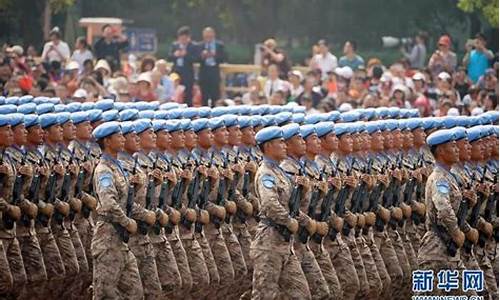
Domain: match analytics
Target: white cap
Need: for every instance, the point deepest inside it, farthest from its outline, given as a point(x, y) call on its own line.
point(298, 74)
point(477, 111)
point(146, 76)
point(18, 50)
point(345, 107)
point(80, 93)
point(418, 76)
point(345, 72)
point(453, 112)
point(444, 76)
point(72, 65)
point(102, 64)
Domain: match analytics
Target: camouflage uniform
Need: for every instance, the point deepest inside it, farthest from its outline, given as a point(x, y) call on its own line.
point(277, 270)
point(116, 274)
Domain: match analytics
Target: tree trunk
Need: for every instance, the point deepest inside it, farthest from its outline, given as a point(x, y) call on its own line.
point(46, 21)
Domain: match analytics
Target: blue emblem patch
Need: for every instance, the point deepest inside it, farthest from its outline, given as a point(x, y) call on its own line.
point(106, 180)
point(268, 181)
point(443, 187)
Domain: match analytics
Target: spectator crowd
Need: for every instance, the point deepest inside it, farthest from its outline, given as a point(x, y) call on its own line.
point(438, 83)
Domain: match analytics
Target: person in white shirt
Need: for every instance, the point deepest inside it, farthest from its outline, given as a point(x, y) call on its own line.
point(82, 52)
point(55, 49)
point(273, 82)
point(324, 60)
point(295, 77)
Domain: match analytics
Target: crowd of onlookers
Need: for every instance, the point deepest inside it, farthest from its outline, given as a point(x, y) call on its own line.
point(437, 83)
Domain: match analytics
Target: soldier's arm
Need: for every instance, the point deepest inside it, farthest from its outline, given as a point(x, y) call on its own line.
point(268, 192)
point(107, 196)
point(440, 193)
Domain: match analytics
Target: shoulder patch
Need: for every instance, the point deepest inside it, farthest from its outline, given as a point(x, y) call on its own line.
point(443, 187)
point(268, 181)
point(106, 180)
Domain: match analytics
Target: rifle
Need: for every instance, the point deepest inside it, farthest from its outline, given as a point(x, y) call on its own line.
point(51, 187)
point(245, 190)
point(386, 200)
point(203, 197)
point(474, 217)
point(150, 192)
point(326, 211)
point(220, 196)
point(162, 199)
point(419, 194)
point(311, 209)
point(340, 202)
point(361, 194)
point(396, 199)
point(122, 231)
point(65, 191)
point(232, 188)
point(192, 194)
point(177, 195)
point(8, 221)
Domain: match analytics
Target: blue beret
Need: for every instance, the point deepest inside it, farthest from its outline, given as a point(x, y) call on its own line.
point(199, 124)
point(41, 99)
point(440, 137)
point(428, 123)
point(372, 126)
point(299, 109)
point(402, 124)
point(127, 127)
point(350, 116)
point(230, 120)
point(154, 105)
point(298, 118)
point(462, 121)
point(216, 123)
point(27, 108)
point(484, 119)
point(63, 117)
point(87, 106)
point(492, 115)
point(307, 130)
point(448, 122)
point(2, 100)
point(168, 106)
point(359, 127)
point(186, 124)
point(315, 118)
point(4, 120)
point(414, 113)
point(393, 112)
point(31, 120)
point(190, 113)
point(496, 130)
point(129, 114)
point(15, 119)
point(404, 113)
point(8, 109)
point(172, 125)
point(219, 111)
point(110, 115)
point(11, 100)
point(106, 129)
point(391, 124)
point(290, 130)
point(264, 109)
point(204, 112)
point(55, 100)
point(324, 128)
point(175, 113)
point(95, 115)
point(283, 118)
point(341, 129)
point(58, 108)
point(382, 112)
point(267, 134)
point(274, 109)
point(255, 110)
point(158, 125)
point(142, 125)
point(80, 117)
point(25, 99)
point(161, 114)
point(475, 133)
point(146, 114)
point(47, 120)
point(44, 108)
point(459, 132)
point(73, 107)
point(488, 130)
point(370, 113)
point(268, 120)
point(245, 121)
point(333, 116)
point(119, 106)
point(257, 120)
point(414, 123)
point(288, 107)
point(245, 110)
point(105, 104)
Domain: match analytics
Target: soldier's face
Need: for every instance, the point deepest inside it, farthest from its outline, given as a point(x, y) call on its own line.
point(376, 141)
point(178, 140)
point(35, 135)
point(464, 149)
point(6, 136)
point(234, 135)
point(397, 139)
point(387, 139)
point(476, 150)
point(83, 131)
point(117, 142)
point(296, 146)
point(329, 142)
point(148, 139)
point(418, 137)
point(205, 138)
point(221, 136)
point(20, 134)
point(54, 133)
point(248, 136)
point(162, 139)
point(452, 152)
point(495, 147)
point(345, 144)
point(313, 144)
point(276, 149)
point(367, 140)
point(69, 130)
point(190, 139)
point(131, 143)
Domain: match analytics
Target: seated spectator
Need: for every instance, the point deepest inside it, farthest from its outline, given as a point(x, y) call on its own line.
point(144, 88)
point(309, 104)
point(165, 81)
point(295, 78)
point(70, 78)
point(350, 58)
point(277, 98)
point(273, 82)
point(55, 50)
point(309, 93)
point(82, 52)
point(324, 60)
point(178, 88)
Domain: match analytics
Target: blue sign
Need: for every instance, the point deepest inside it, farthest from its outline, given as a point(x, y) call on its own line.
point(142, 40)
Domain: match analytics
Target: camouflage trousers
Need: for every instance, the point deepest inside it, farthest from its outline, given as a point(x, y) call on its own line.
point(437, 266)
point(277, 274)
point(489, 276)
point(146, 262)
point(399, 247)
point(372, 276)
point(315, 279)
point(168, 272)
point(391, 262)
point(209, 259)
point(199, 270)
point(52, 260)
point(344, 266)
point(364, 288)
point(183, 266)
point(323, 258)
point(6, 281)
point(223, 261)
point(116, 275)
point(385, 279)
point(33, 264)
point(243, 284)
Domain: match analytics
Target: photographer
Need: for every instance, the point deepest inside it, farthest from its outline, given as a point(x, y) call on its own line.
point(108, 47)
point(418, 52)
point(55, 50)
point(443, 60)
point(273, 55)
point(477, 59)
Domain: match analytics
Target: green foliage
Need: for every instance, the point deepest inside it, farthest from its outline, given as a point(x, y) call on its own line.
point(488, 8)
